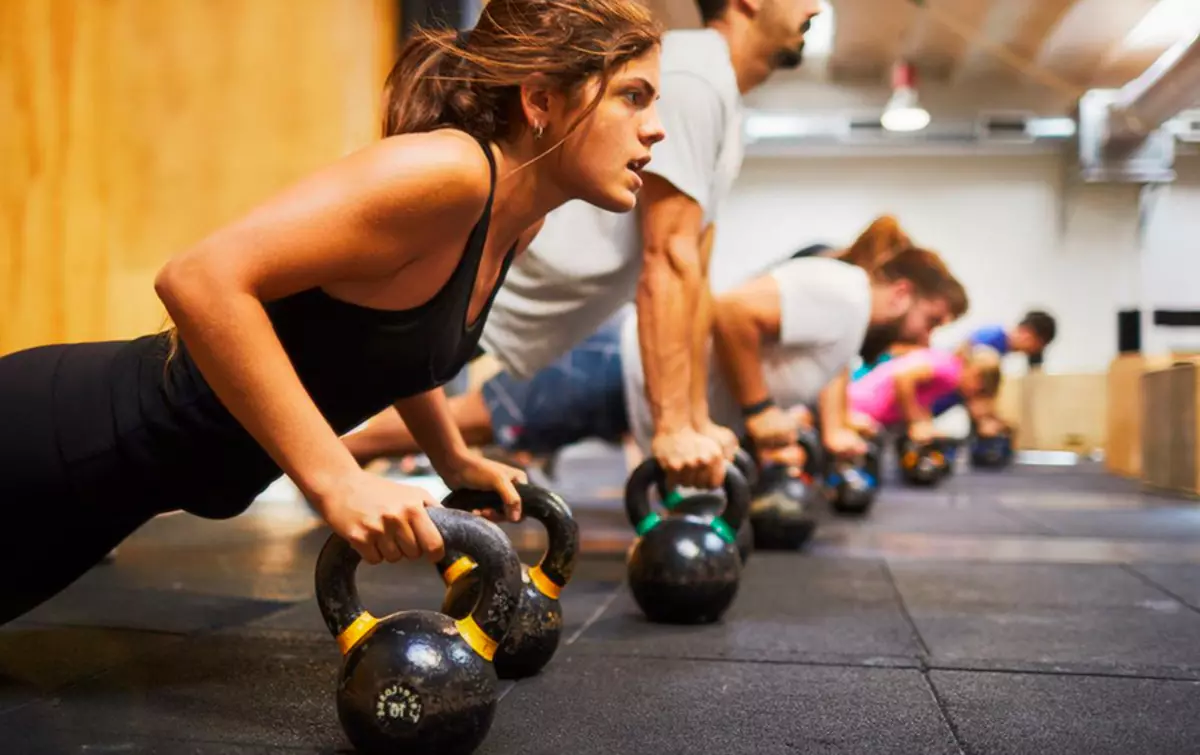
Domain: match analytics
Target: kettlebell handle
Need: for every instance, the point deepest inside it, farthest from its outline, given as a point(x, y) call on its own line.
point(741, 459)
point(649, 473)
point(746, 465)
point(349, 621)
point(553, 571)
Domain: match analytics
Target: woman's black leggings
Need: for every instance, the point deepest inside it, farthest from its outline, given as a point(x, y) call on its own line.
point(56, 530)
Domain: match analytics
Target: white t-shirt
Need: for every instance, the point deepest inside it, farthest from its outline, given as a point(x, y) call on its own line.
point(585, 262)
point(825, 307)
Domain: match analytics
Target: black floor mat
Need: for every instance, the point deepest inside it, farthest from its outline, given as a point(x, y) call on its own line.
point(218, 689)
point(1019, 586)
point(1161, 639)
point(36, 662)
point(601, 706)
point(177, 611)
point(1182, 580)
point(1018, 714)
point(1047, 603)
point(788, 608)
point(1173, 523)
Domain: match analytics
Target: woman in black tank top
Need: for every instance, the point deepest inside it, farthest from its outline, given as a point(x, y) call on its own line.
point(364, 285)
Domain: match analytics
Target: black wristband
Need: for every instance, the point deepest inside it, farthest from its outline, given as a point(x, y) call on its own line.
point(759, 408)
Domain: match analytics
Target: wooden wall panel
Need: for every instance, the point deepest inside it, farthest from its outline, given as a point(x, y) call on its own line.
point(1123, 444)
point(1170, 453)
point(1062, 412)
point(133, 128)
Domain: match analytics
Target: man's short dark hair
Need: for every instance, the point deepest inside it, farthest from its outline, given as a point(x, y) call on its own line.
point(1042, 324)
point(711, 10)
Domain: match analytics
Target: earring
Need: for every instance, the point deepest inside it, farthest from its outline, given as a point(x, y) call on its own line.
point(538, 130)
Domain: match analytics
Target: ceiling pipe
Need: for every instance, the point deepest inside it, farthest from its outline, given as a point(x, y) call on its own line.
point(1169, 86)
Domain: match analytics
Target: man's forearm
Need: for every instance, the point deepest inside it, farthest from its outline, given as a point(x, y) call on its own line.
point(833, 404)
point(701, 330)
point(738, 346)
point(701, 327)
point(670, 277)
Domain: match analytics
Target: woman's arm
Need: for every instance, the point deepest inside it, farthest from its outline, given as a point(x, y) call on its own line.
point(906, 382)
point(365, 217)
point(428, 418)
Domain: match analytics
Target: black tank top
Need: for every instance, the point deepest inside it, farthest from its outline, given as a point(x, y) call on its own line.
point(189, 452)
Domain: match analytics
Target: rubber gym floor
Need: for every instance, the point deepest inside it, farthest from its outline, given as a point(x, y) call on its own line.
point(1036, 610)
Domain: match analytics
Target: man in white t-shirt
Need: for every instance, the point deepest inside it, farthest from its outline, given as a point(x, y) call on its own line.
point(586, 263)
point(803, 322)
point(776, 352)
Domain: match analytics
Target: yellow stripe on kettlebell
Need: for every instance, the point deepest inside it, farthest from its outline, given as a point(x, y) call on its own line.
point(353, 633)
point(544, 584)
point(477, 638)
point(461, 566)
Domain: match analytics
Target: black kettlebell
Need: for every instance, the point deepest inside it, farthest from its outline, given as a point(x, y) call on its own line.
point(534, 633)
point(814, 451)
point(684, 568)
point(992, 451)
point(853, 484)
point(921, 463)
point(420, 682)
point(709, 504)
point(782, 513)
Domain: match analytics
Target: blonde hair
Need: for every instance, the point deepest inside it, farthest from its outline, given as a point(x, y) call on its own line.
point(985, 362)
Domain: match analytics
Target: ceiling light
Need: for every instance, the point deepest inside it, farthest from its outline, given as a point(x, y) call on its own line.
point(904, 111)
point(1050, 128)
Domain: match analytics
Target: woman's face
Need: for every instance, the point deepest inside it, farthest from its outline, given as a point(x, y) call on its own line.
point(602, 160)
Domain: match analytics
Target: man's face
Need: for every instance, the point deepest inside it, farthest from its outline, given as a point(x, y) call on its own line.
point(912, 319)
point(922, 317)
point(783, 24)
point(1025, 341)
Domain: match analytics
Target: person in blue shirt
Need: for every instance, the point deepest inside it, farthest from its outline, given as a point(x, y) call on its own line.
point(1030, 337)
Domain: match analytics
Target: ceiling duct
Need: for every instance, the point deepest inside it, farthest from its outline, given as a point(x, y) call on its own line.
point(1141, 107)
point(1186, 126)
point(1006, 132)
point(1129, 134)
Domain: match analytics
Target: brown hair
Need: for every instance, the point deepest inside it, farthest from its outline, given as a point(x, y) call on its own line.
point(956, 297)
point(880, 242)
point(886, 252)
point(471, 80)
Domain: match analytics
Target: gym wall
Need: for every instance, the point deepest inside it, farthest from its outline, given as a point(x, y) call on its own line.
point(132, 128)
point(1171, 260)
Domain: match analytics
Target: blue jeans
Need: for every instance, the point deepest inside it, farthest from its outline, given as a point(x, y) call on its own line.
point(580, 396)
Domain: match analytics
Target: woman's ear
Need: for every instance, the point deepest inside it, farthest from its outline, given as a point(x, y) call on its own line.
point(542, 103)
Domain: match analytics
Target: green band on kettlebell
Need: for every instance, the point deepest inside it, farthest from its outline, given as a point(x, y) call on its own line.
point(672, 500)
point(721, 527)
point(647, 524)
